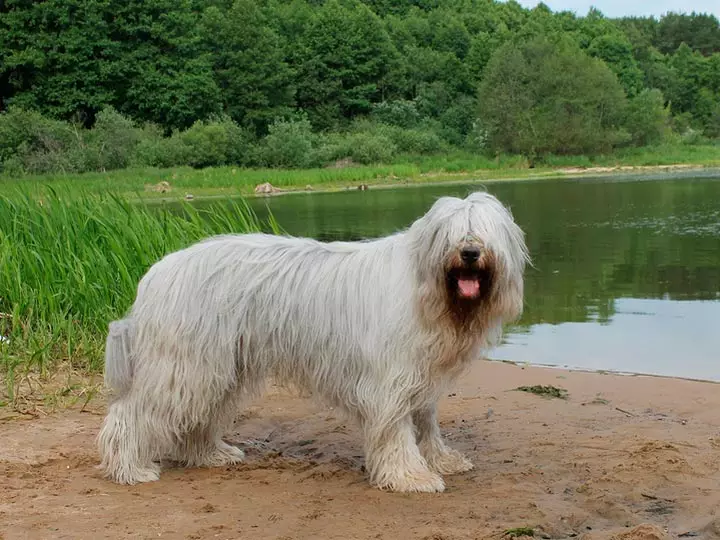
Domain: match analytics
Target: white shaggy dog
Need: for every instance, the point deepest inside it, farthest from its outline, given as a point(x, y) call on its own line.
point(377, 328)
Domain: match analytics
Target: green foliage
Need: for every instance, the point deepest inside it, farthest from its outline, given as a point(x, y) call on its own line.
point(162, 74)
point(617, 52)
point(707, 111)
point(539, 97)
point(366, 148)
point(30, 143)
point(154, 77)
point(369, 142)
point(69, 265)
point(647, 118)
point(400, 112)
point(415, 141)
point(58, 56)
point(112, 142)
point(212, 143)
point(700, 31)
point(289, 144)
point(342, 60)
point(249, 64)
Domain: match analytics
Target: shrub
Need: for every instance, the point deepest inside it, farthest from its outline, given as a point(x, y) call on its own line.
point(401, 113)
point(154, 150)
point(647, 118)
point(369, 148)
point(213, 143)
point(289, 144)
point(415, 141)
point(112, 141)
point(31, 143)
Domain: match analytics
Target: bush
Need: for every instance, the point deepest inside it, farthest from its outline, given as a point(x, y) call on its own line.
point(209, 143)
point(477, 138)
point(414, 141)
point(692, 136)
point(647, 118)
point(213, 143)
point(456, 122)
point(400, 113)
point(31, 143)
point(361, 147)
point(112, 141)
point(289, 144)
point(682, 122)
point(370, 148)
point(154, 150)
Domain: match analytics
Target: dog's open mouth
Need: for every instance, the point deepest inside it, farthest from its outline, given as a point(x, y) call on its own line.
point(468, 287)
point(469, 284)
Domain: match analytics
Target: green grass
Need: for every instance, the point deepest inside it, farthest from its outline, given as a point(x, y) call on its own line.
point(406, 169)
point(69, 264)
point(71, 254)
point(519, 532)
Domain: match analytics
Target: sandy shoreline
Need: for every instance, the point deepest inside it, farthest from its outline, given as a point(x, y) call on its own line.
point(620, 452)
point(480, 176)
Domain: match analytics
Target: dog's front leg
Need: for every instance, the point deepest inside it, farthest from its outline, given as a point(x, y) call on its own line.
point(438, 455)
point(393, 459)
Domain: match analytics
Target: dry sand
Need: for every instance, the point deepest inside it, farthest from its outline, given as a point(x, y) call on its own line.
point(634, 458)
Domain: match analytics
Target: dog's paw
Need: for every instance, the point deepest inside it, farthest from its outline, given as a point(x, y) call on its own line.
point(132, 476)
point(423, 481)
point(223, 454)
point(449, 461)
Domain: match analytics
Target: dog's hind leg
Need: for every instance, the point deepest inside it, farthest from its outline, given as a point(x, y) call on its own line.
point(126, 443)
point(204, 446)
point(439, 456)
point(393, 459)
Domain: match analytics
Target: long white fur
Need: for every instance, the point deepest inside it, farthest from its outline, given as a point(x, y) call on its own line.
point(364, 326)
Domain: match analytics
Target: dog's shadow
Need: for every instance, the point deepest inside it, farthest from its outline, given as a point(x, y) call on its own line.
point(314, 441)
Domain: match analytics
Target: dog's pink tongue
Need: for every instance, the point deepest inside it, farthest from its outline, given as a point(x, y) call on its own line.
point(469, 288)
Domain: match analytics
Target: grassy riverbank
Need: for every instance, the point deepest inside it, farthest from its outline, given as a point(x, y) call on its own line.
point(68, 268)
point(150, 183)
point(71, 253)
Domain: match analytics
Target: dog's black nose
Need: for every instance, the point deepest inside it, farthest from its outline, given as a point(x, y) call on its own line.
point(470, 254)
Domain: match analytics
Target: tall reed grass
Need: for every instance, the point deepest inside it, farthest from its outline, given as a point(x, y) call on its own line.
point(70, 264)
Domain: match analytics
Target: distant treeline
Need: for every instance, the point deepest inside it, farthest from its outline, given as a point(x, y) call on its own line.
point(376, 77)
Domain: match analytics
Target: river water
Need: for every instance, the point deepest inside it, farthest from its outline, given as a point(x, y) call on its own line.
point(625, 276)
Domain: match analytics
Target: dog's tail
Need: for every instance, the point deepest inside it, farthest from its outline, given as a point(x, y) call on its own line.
point(118, 358)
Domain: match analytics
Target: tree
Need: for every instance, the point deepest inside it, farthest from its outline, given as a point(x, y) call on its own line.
point(162, 74)
point(641, 32)
point(57, 56)
point(449, 33)
point(249, 65)
point(539, 97)
point(617, 53)
point(343, 58)
point(647, 118)
point(688, 67)
point(699, 31)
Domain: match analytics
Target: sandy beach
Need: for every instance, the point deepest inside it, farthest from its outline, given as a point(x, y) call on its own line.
point(626, 457)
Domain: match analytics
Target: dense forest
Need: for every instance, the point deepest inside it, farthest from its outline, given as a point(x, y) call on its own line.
point(100, 84)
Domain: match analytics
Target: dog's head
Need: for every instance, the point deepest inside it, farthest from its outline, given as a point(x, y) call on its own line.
point(472, 255)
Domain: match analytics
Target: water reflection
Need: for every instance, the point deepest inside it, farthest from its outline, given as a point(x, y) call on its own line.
point(620, 266)
point(658, 337)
